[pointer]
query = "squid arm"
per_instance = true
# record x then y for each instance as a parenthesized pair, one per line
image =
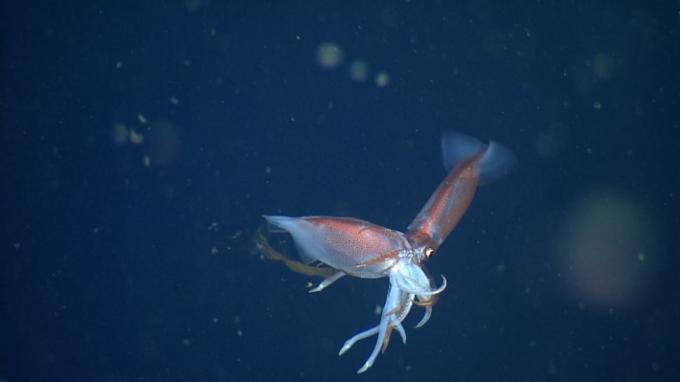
(265, 249)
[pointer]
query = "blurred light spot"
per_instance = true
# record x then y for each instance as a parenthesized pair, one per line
(121, 134)
(597, 105)
(329, 55)
(135, 137)
(141, 118)
(358, 70)
(382, 79)
(601, 243)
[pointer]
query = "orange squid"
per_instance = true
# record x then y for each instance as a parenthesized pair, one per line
(362, 249)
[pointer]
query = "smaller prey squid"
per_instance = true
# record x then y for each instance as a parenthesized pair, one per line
(362, 249)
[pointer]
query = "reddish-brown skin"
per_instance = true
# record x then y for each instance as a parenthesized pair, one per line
(358, 244)
(447, 205)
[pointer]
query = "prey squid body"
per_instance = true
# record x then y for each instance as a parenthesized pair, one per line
(362, 249)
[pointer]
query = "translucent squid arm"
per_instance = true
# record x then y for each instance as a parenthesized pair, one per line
(387, 322)
(327, 281)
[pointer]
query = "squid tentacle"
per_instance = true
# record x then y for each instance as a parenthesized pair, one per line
(327, 281)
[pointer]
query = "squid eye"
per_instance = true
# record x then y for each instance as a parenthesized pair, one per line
(428, 252)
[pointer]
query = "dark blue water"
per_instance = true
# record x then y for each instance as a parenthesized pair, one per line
(142, 141)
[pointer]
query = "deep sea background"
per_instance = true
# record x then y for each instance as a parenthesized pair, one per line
(142, 140)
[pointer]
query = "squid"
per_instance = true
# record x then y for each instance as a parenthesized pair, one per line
(362, 249)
